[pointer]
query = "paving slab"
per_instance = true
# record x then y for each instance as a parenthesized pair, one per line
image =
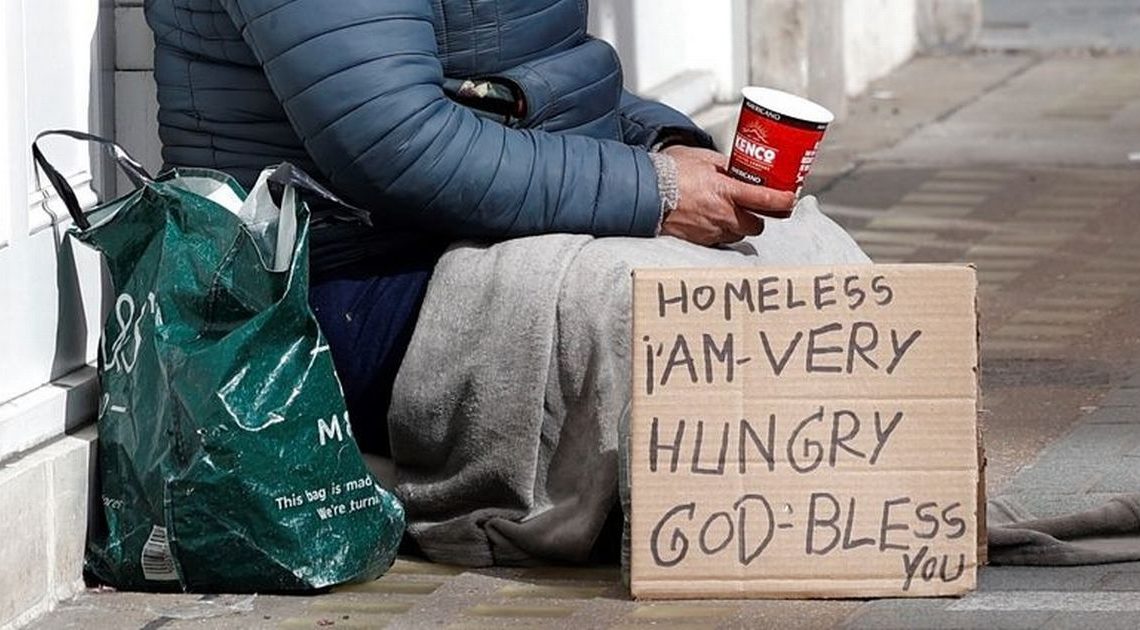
(1051, 25)
(1124, 399)
(1124, 578)
(1047, 601)
(1060, 579)
(1093, 621)
(1067, 467)
(934, 615)
(1049, 504)
(1112, 415)
(1028, 120)
(924, 90)
(1122, 479)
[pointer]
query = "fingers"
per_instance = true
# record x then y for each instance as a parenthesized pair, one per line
(748, 224)
(763, 201)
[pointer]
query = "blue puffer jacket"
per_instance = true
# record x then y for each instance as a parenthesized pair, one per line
(353, 90)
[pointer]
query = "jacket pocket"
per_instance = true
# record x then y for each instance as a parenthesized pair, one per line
(577, 90)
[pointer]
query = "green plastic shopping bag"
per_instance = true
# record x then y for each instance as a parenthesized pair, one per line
(226, 461)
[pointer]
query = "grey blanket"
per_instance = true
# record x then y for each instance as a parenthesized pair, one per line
(1110, 533)
(506, 413)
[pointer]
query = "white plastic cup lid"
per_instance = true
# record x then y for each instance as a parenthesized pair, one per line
(789, 105)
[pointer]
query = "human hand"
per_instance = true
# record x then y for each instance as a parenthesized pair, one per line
(714, 208)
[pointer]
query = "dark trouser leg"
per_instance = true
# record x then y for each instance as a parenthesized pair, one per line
(368, 318)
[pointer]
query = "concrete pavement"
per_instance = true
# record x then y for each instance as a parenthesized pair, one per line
(1050, 25)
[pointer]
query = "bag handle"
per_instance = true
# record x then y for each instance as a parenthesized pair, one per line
(289, 175)
(131, 167)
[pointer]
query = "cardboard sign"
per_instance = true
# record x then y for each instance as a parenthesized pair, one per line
(804, 432)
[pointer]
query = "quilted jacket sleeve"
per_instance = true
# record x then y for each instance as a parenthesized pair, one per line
(644, 123)
(361, 83)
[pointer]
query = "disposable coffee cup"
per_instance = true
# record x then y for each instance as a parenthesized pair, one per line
(777, 139)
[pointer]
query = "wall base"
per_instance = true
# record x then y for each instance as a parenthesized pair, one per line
(44, 493)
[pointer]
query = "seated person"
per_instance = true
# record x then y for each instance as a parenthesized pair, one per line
(446, 120)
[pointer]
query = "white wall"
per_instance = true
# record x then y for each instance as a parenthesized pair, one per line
(830, 50)
(612, 20)
(879, 35)
(661, 39)
(673, 36)
(11, 125)
(52, 76)
(136, 102)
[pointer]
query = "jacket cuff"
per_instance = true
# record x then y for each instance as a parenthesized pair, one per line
(647, 213)
(666, 168)
(685, 136)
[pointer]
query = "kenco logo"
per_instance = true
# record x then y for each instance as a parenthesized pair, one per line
(752, 142)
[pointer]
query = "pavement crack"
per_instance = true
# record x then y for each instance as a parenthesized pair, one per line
(155, 624)
(1032, 62)
(841, 177)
